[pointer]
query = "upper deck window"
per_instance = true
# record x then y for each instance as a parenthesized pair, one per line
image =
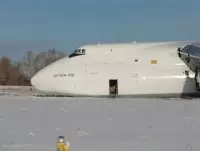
(83, 51)
(77, 52)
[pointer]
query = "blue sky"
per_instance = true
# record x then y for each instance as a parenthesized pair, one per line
(37, 25)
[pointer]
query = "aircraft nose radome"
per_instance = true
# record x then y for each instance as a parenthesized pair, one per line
(35, 80)
(43, 79)
(38, 80)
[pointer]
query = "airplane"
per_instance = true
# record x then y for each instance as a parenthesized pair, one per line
(139, 69)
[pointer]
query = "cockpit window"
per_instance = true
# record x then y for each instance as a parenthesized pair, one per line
(77, 52)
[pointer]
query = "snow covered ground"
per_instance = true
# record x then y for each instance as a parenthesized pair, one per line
(18, 90)
(33, 124)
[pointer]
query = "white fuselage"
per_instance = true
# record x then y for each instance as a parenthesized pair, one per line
(140, 69)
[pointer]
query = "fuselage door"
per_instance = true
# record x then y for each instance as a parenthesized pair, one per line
(113, 87)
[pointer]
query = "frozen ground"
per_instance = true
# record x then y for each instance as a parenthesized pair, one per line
(18, 90)
(33, 124)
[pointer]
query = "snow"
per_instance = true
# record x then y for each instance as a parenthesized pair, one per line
(18, 90)
(30, 123)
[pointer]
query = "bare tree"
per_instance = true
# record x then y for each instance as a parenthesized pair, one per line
(5, 65)
(32, 63)
(26, 66)
(14, 75)
(44, 59)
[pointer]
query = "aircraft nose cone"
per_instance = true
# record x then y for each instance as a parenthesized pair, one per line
(33, 81)
(44, 79)
(40, 81)
(36, 80)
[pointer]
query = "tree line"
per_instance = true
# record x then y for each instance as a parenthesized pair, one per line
(19, 73)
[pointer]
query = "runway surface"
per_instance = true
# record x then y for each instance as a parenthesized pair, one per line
(33, 124)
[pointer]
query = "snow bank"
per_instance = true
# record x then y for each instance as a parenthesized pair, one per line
(18, 90)
(15, 87)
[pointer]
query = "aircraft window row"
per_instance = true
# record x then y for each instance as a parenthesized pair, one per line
(78, 52)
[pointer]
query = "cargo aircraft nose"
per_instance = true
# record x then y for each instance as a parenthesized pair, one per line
(39, 80)
(45, 80)
(42, 79)
(33, 81)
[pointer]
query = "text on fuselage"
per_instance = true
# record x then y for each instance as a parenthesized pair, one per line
(63, 75)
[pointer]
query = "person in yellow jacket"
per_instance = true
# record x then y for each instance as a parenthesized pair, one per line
(66, 146)
(62, 145)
